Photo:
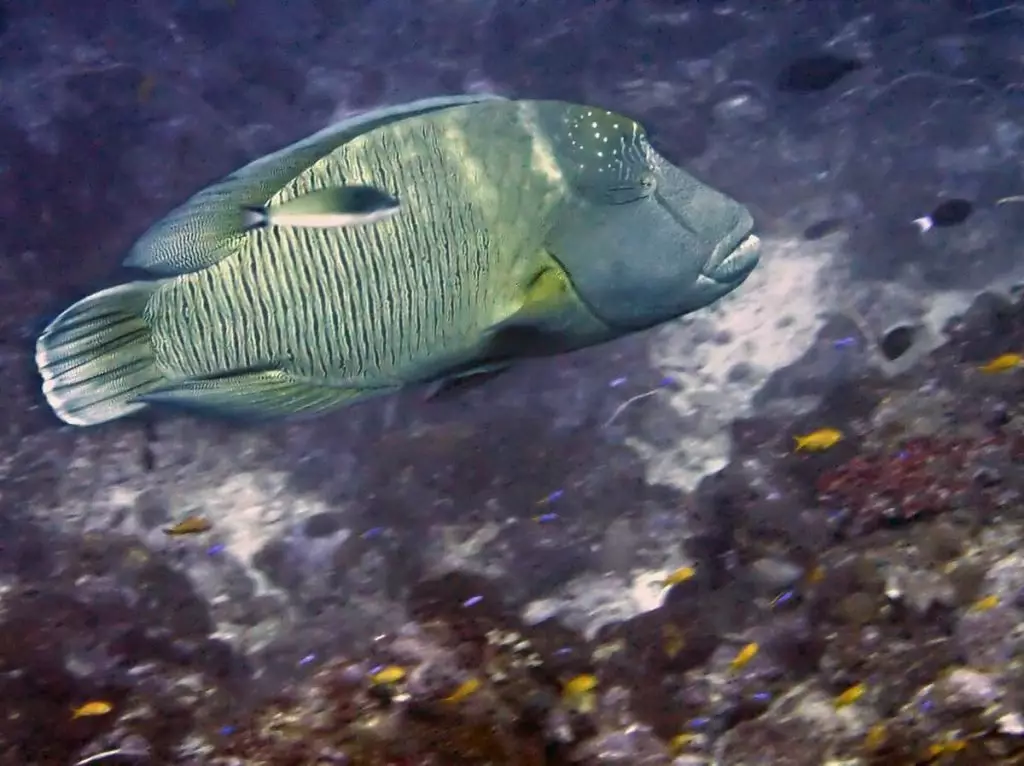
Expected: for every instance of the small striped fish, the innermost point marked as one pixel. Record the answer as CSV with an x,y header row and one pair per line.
x,y
416,244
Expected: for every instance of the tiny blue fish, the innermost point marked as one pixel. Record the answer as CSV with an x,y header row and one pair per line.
x,y
783,598
472,601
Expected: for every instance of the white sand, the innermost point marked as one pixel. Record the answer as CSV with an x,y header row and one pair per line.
x,y
770,321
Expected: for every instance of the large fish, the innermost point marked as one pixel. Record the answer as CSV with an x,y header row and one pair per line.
x,y
415,244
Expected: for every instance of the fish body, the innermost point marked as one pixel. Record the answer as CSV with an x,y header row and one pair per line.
x,y
326,208
948,213
464,690
390,674
744,656
849,696
525,228
191,525
815,72
578,693
581,684
985,604
819,440
1002,363
93,708
823,228
682,574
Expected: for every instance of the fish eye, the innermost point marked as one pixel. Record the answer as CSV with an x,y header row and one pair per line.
x,y
646,184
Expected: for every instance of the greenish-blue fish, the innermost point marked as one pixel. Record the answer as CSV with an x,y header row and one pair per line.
x,y
416,244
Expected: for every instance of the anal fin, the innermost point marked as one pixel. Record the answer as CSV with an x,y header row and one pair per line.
x,y
258,396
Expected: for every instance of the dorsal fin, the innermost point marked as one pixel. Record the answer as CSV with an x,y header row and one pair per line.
x,y
210,225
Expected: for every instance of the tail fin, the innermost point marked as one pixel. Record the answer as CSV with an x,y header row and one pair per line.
x,y
96,357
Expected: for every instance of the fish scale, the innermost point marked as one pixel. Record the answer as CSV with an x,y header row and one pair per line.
x,y
331,260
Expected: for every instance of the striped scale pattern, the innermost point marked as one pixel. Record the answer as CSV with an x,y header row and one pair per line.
x,y
387,303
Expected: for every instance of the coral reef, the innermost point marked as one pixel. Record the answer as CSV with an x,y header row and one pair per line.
x,y
860,604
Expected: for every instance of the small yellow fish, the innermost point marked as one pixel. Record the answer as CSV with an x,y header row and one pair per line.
x,y
680,575
578,692
390,674
745,655
466,688
949,746
875,737
816,575
849,696
581,684
680,742
95,707
817,441
673,640
191,525
1002,363
984,604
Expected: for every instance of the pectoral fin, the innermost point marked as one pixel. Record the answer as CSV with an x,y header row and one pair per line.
x,y
550,319
258,396
530,330
212,224
543,300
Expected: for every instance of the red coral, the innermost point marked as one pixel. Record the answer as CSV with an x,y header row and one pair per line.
x,y
925,476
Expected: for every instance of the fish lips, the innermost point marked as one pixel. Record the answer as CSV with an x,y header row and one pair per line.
x,y
733,258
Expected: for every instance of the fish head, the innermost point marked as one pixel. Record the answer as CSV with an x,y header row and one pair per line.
x,y
641,240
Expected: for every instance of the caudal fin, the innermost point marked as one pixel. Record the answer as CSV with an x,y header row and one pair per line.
x,y
96,357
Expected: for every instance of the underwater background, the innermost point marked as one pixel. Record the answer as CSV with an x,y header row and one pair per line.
x,y
615,556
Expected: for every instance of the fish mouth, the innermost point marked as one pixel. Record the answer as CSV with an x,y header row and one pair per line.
x,y
732,261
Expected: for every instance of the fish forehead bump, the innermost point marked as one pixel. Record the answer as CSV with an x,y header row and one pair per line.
x,y
593,142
